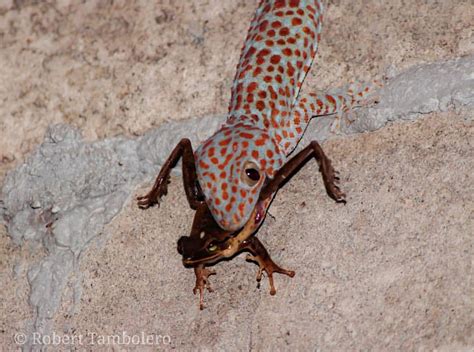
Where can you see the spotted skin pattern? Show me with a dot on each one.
(267, 114)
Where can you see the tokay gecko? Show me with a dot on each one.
(231, 178)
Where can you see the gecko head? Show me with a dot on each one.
(232, 167)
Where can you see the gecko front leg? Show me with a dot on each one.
(194, 194)
(330, 177)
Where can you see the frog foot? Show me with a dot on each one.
(262, 258)
(202, 282)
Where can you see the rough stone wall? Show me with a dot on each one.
(390, 270)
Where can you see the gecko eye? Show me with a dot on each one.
(212, 247)
(250, 174)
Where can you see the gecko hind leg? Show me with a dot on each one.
(260, 256)
(342, 101)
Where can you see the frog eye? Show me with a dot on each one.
(250, 173)
(212, 247)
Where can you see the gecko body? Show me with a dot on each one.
(267, 115)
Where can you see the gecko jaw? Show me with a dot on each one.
(233, 245)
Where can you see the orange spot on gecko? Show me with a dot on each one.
(236, 218)
(246, 135)
(264, 52)
(331, 100)
(252, 86)
(276, 24)
(275, 59)
(296, 21)
(257, 71)
(263, 26)
(241, 208)
(225, 142)
(273, 94)
(203, 165)
(284, 31)
(279, 4)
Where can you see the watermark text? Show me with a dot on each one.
(122, 338)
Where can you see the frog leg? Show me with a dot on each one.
(330, 176)
(202, 282)
(260, 255)
(194, 194)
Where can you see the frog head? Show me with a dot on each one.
(209, 243)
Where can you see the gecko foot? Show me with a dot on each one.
(265, 263)
(153, 197)
(202, 282)
(330, 176)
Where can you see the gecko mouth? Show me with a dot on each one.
(230, 246)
